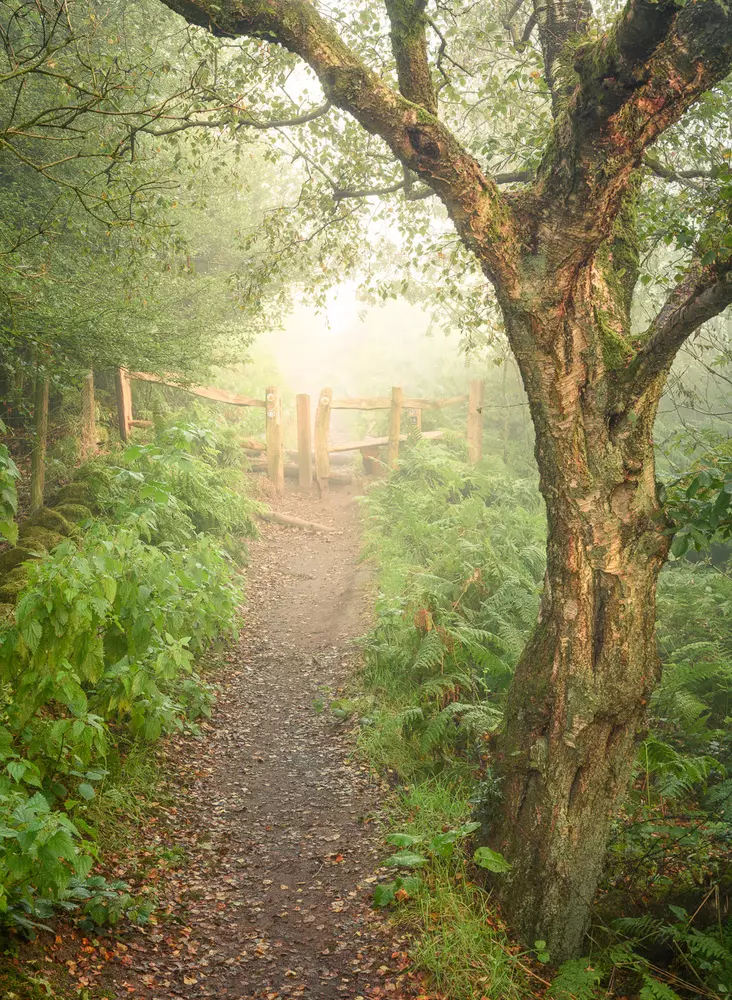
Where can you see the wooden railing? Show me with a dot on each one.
(314, 450)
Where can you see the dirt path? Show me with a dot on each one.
(279, 826)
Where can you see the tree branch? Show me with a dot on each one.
(189, 123)
(559, 21)
(422, 193)
(685, 177)
(631, 85)
(704, 293)
(417, 138)
(409, 45)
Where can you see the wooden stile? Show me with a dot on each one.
(322, 431)
(395, 421)
(274, 436)
(124, 403)
(88, 435)
(475, 420)
(304, 442)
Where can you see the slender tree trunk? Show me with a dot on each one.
(88, 436)
(38, 455)
(576, 706)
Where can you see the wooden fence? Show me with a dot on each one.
(314, 447)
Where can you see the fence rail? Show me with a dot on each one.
(314, 447)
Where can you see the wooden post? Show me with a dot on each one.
(322, 431)
(124, 404)
(88, 436)
(304, 442)
(274, 438)
(475, 420)
(395, 422)
(38, 455)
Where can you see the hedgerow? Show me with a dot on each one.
(102, 647)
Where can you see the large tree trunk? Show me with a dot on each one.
(577, 703)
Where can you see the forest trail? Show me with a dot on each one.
(279, 826)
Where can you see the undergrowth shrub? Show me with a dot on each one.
(103, 649)
(460, 557)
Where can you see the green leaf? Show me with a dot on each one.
(403, 839)
(384, 894)
(491, 860)
(406, 859)
(86, 790)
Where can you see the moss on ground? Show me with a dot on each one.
(38, 539)
(52, 520)
(74, 512)
(75, 493)
(14, 557)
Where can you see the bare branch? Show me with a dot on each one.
(685, 177)
(704, 293)
(189, 123)
(421, 193)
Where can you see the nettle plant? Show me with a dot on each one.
(9, 476)
(105, 641)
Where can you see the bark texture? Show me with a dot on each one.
(577, 705)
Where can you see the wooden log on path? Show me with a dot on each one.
(296, 522)
(304, 442)
(292, 471)
(274, 436)
(322, 431)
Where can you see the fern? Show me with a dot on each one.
(654, 989)
(430, 654)
(575, 980)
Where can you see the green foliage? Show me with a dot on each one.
(8, 495)
(460, 557)
(460, 552)
(698, 504)
(106, 635)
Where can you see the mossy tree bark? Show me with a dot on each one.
(562, 256)
(577, 704)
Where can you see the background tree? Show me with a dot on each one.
(563, 256)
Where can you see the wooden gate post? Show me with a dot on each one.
(395, 425)
(88, 435)
(322, 432)
(274, 438)
(304, 442)
(40, 440)
(475, 420)
(124, 403)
